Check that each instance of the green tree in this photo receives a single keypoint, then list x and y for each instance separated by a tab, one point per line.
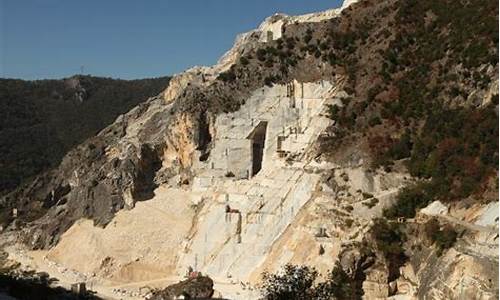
293	283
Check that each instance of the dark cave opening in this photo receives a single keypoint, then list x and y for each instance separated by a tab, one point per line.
258	137
204	136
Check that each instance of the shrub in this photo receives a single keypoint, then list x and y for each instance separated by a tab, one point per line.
298	283
324	45
409	199
261	54
244	61
443	238
339	285
269	62
367	195
494	99
294	282
402	148
228	76
333	111
271	51
375	120
269	80
291	62
451	147
308	36
332	58
431	227
290	43
389	240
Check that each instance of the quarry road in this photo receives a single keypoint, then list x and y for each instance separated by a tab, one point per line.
36	260
224	288
167	280
137	284
468	225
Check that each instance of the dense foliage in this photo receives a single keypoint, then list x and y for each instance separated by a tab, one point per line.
451	144
300	283
41	120
389	239
444	237
457	151
420	104
295	282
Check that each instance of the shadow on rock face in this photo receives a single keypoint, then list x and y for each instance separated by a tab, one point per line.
150	162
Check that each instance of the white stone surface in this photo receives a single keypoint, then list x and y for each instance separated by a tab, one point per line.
294	117
489	216
275	23
267	202
435	208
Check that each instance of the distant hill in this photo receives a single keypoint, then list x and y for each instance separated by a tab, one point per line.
41	120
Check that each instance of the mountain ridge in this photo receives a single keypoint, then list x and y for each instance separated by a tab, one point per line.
309	143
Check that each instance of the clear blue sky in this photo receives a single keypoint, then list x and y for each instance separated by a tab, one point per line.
124	38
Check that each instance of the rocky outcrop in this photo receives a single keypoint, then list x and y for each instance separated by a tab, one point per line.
468	269
196	76
199	287
95	180
152	143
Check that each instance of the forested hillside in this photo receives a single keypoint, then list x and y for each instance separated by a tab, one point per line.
41	120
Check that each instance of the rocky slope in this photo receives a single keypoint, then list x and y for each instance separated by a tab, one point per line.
305	144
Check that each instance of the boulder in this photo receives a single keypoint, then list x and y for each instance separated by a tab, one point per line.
434	209
200	287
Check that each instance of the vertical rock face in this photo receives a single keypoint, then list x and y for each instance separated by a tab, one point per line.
266	201
195	76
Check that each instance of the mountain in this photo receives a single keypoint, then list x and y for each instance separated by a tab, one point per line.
42	120
360	141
